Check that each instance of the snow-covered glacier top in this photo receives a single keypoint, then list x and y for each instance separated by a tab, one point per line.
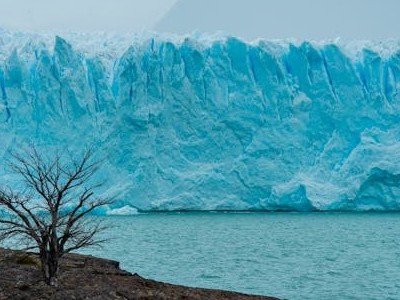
115	44
200	122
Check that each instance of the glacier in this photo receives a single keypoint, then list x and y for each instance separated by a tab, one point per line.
197	123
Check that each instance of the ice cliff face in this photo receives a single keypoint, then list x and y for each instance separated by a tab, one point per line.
221	124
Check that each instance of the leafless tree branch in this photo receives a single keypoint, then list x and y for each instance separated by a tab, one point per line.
52	209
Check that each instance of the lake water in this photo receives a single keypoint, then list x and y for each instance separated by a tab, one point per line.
288	255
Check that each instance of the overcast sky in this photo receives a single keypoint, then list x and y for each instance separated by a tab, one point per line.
302	19
82	15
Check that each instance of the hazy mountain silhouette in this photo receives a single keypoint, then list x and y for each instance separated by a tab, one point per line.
306	19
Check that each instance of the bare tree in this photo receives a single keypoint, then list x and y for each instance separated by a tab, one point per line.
52	210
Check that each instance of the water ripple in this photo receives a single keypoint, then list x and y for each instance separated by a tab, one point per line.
294	256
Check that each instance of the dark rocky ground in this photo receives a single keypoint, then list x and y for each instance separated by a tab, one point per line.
86	277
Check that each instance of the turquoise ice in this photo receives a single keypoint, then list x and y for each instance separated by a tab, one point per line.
213	124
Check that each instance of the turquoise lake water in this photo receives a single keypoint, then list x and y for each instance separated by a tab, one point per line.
288	255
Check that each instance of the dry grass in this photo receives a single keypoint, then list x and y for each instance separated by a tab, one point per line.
26	259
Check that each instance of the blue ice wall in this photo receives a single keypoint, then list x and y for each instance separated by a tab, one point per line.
222	124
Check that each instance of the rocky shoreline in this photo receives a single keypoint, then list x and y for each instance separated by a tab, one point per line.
87	277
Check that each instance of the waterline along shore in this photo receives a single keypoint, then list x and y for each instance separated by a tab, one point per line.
88	277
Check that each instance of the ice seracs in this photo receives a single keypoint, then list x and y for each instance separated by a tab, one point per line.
213	124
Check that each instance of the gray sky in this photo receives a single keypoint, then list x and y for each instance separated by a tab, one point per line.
82	15
301	19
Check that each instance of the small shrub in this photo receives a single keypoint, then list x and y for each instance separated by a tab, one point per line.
27	260
24	287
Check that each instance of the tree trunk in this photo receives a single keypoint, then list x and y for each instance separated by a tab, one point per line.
49	266
53	271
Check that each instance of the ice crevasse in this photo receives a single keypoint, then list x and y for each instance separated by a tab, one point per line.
217	124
